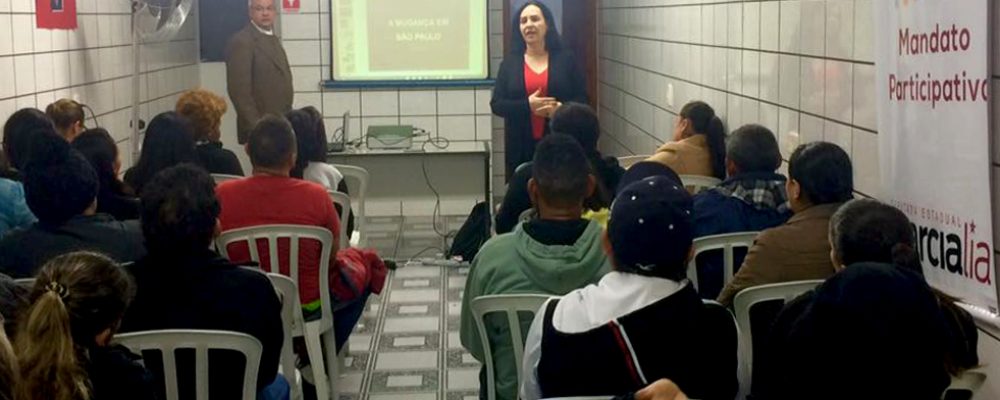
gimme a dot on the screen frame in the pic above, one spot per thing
(405, 83)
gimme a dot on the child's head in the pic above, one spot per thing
(77, 302)
(650, 230)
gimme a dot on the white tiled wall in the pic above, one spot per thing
(92, 64)
(459, 114)
(803, 68)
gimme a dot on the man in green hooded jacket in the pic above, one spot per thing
(553, 254)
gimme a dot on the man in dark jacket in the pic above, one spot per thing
(752, 199)
(182, 284)
(60, 188)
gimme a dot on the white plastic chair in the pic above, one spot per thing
(511, 305)
(628, 161)
(359, 238)
(345, 214)
(697, 183)
(26, 282)
(314, 332)
(219, 178)
(727, 242)
(745, 300)
(169, 341)
(970, 381)
(291, 320)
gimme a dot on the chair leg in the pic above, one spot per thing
(316, 362)
(333, 362)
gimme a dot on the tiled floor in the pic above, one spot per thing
(400, 238)
(406, 346)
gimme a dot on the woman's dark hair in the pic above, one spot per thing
(75, 297)
(179, 210)
(97, 146)
(579, 121)
(705, 122)
(310, 134)
(553, 42)
(169, 141)
(59, 183)
(867, 230)
(18, 129)
(823, 171)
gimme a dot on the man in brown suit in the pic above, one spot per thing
(258, 75)
(820, 180)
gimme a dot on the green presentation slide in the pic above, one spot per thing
(406, 40)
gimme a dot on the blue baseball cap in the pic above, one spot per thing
(651, 229)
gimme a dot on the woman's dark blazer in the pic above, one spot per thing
(510, 101)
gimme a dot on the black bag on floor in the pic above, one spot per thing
(474, 232)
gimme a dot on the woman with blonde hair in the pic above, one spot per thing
(64, 341)
(205, 110)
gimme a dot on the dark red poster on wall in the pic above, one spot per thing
(55, 14)
(291, 5)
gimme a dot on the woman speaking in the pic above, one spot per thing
(534, 79)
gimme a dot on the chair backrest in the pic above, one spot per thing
(697, 183)
(359, 192)
(169, 341)
(727, 242)
(969, 382)
(219, 178)
(295, 234)
(25, 282)
(510, 305)
(628, 161)
(291, 320)
(344, 201)
(746, 299)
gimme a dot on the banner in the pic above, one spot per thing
(932, 87)
(55, 14)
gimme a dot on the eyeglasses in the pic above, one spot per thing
(262, 8)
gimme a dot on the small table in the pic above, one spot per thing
(458, 172)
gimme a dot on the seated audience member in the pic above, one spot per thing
(61, 189)
(182, 284)
(575, 345)
(310, 161)
(67, 116)
(114, 197)
(552, 254)
(645, 169)
(169, 140)
(878, 326)
(699, 145)
(752, 198)
(580, 122)
(205, 110)
(14, 211)
(64, 343)
(17, 133)
(820, 180)
(271, 196)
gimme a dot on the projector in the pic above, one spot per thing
(389, 137)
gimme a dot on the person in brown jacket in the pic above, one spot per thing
(820, 180)
(257, 71)
(699, 145)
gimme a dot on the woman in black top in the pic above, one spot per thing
(554, 78)
(205, 109)
(580, 122)
(169, 141)
(114, 197)
(64, 343)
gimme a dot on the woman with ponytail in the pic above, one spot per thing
(699, 145)
(877, 314)
(63, 344)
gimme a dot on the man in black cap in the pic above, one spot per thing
(642, 322)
